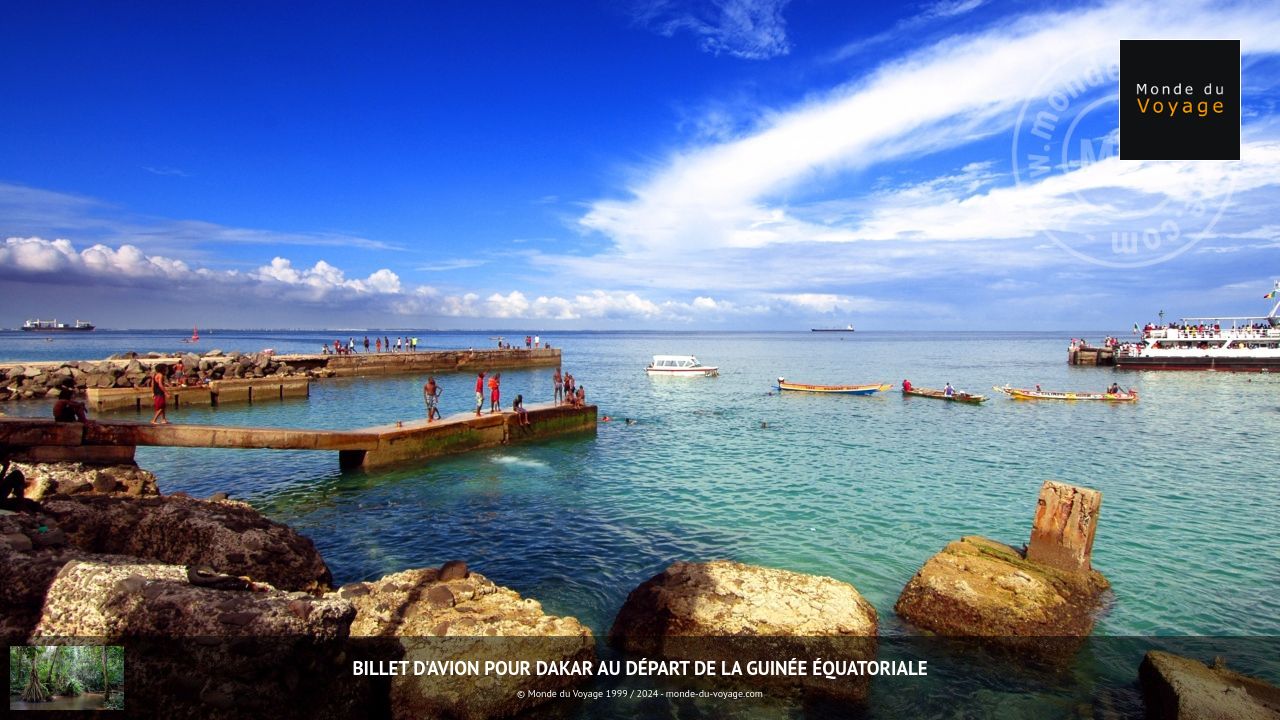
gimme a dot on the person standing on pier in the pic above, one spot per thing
(377, 345)
(494, 394)
(556, 381)
(159, 395)
(431, 394)
(536, 341)
(366, 344)
(479, 392)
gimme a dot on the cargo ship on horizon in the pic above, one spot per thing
(44, 326)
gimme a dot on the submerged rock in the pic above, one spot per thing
(228, 536)
(725, 610)
(1179, 688)
(465, 618)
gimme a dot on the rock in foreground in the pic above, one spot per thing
(32, 551)
(117, 600)
(1179, 688)
(978, 587)
(71, 478)
(228, 536)
(465, 617)
(725, 610)
(198, 652)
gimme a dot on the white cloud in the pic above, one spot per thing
(455, 264)
(35, 259)
(940, 10)
(1089, 199)
(165, 171)
(45, 212)
(829, 303)
(723, 216)
(749, 29)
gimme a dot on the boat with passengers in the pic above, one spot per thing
(956, 395)
(1249, 344)
(1038, 394)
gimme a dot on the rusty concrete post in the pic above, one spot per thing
(1066, 519)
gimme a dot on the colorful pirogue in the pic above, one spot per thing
(838, 389)
(957, 396)
(1024, 394)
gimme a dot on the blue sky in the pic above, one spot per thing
(724, 164)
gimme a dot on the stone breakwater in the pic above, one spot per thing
(35, 380)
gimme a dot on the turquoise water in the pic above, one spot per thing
(863, 489)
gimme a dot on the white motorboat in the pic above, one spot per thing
(680, 366)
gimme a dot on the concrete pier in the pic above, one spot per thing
(1088, 355)
(218, 392)
(435, 361)
(39, 440)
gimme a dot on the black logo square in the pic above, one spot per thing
(1179, 99)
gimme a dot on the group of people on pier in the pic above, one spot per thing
(379, 345)
(566, 392)
(531, 342)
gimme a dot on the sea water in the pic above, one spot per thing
(862, 489)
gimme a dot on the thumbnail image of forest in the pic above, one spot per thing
(66, 677)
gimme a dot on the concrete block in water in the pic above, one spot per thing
(1180, 688)
(1065, 523)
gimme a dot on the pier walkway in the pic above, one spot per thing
(40, 440)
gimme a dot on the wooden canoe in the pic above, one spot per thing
(837, 389)
(1025, 394)
(960, 397)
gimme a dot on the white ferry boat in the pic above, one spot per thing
(45, 326)
(1248, 344)
(680, 366)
